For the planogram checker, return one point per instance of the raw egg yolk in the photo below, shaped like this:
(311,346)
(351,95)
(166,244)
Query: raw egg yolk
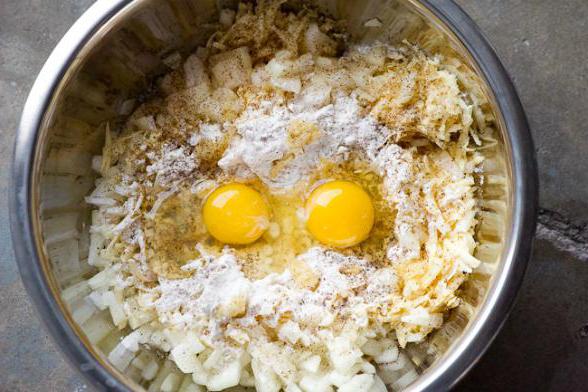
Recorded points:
(236,214)
(340,214)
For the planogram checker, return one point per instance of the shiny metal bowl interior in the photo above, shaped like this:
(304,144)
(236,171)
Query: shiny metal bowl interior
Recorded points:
(112,54)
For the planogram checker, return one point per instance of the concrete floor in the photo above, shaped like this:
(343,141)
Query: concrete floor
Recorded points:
(544,344)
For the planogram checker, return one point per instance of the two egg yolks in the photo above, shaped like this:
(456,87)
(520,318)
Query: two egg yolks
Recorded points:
(339,214)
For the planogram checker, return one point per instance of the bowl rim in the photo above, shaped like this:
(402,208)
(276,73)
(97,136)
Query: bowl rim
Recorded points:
(502,293)
(468,348)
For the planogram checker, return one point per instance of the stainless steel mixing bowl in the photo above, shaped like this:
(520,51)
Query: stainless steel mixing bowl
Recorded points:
(109,57)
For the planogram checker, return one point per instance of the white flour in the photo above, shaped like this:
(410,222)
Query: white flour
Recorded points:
(208,132)
(171,164)
(264,140)
(207,294)
(219,290)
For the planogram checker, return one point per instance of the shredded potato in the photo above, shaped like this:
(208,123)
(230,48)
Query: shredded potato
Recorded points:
(423,115)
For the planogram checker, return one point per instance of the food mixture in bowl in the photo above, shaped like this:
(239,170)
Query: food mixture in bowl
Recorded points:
(292,210)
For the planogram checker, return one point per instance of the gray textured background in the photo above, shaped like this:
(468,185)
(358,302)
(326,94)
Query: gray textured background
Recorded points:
(544,344)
